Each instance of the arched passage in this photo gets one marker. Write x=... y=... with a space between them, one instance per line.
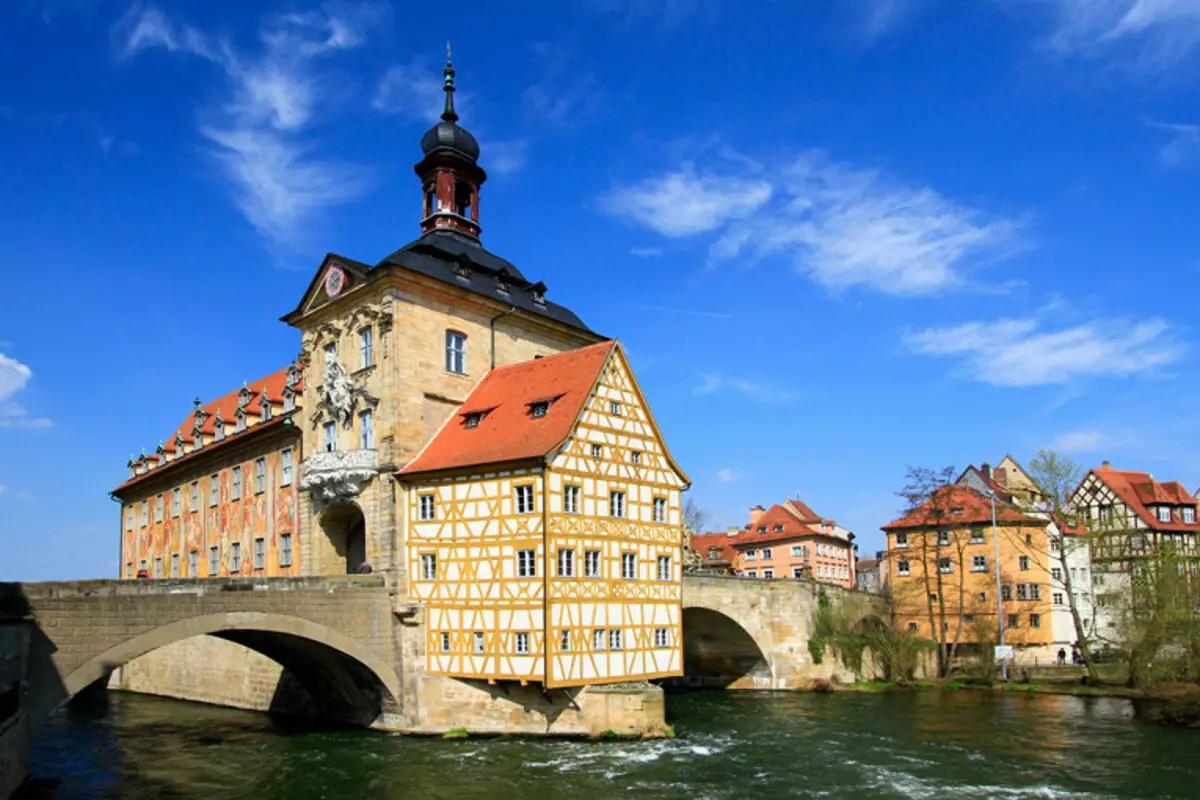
x=718 y=653
x=348 y=683
x=346 y=530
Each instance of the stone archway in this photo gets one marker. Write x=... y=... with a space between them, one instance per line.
x=345 y=530
x=718 y=653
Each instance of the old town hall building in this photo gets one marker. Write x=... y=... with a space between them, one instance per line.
x=447 y=425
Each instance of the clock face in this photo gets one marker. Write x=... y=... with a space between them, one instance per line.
x=335 y=281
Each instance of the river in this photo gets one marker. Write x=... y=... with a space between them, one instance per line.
x=730 y=745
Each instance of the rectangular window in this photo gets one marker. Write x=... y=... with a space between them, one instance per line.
x=524 y=497
x=1056 y=573
x=766 y=554
x=176 y=502
x=235 y=491
x=1006 y=592
x=768 y=573
x=478 y=643
x=597 y=451
x=158 y=573
x=129 y=569
x=1058 y=598
x=1022 y=591
x=1189 y=515
x=615 y=408
x=629 y=566
x=214 y=561
x=428 y=567
x=660 y=509
x=538 y=410
x=1014 y=621
x=366 y=431
x=943 y=538
x=752 y=573
x=289 y=400
x=901 y=540
x=128 y=518
x=425 y=507
x=599 y=639
x=366 y=355
x=664 y=568
x=1023 y=562
x=235 y=557
x=978 y=563
x=526 y=563
x=260 y=475
x=614 y=639
x=662 y=637
x=616 y=504
x=797 y=551
x=214 y=490
x=194 y=504
x=330 y=353
x=635 y=456
x=175 y=565
x=983 y=597
x=193 y=564
x=591 y=564
x=445 y=640
x=285 y=550
x=522 y=644
x=456 y=352
x=571 y=499
x=977 y=536
x=285 y=468
x=329 y=437
x=566 y=563
x=260 y=553
x=158 y=508
x=797 y=572
x=1164 y=513
x=751 y=555
x=564 y=642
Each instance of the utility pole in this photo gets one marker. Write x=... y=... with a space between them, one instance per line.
x=999 y=593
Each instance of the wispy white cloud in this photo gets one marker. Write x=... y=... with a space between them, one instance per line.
x=728 y=475
x=753 y=390
x=690 y=312
x=878 y=18
x=1019 y=352
x=506 y=157
x=840 y=225
x=257 y=134
x=14 y=376
x=646 y=252
x=1157 y=33
x=412 y=90
x=1084 y=440
x=1183 y=145
x=687 y=202
x=566 y=92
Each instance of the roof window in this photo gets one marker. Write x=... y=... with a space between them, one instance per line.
x=762 y=528
x=539 y=409
x=473 y=418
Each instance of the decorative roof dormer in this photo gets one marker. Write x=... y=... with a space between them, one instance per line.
x=244 y=396
x=265 y=402
x=450 y=176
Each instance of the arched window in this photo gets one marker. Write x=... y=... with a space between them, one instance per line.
x=430 y=198
x=456 y=352
x=462 y=199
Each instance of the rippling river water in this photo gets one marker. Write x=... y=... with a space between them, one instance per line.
x=730 y=745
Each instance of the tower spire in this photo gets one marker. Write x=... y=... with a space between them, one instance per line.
x=449 y=114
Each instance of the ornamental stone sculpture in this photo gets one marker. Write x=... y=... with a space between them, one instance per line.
x=338 y=391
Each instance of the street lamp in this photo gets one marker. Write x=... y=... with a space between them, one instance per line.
x=999 y=594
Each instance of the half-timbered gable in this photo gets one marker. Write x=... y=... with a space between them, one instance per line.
x=544 y=519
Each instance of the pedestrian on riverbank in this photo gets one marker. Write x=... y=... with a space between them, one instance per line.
x=1062 y=657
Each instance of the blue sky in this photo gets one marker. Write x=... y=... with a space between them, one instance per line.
x=836 y=239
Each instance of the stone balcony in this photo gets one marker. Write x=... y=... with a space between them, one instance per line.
x=338 y=475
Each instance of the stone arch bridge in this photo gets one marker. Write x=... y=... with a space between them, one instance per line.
x=352 y=648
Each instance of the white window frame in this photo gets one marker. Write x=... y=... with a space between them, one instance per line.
x=214 y=490
x=214 y=561
x=979 y=563
x=445 y=641
x=564 y=640
x=1164 y=513
x=901 y=540
x=592 y=564
x=521 y=643
x=1189 y=515
x=176 y=502
x=751 y=555
x=766 y=554
x=366 y=430
x=527 y=563
x=797 y=551
x=194 y=500
x=158 y=567
x=616 y=504
x=599 y=639
x=943 y=538
x=480 y=643
x=329 y=437
x=946 y=566
x=235 y=557
x=1023 y=563
x=429 y=566
x=768 y=573
x=665 y=573
x=797 y=572
x=566 y=563
x=523 y=502
x=597 y=451
x=285 y=550
x=158 y=509
x=285 y=468
x=978 y=536
x=616 y=641
x=235 y=492
x=614 y=408
x=662 y=637
x=904 y=568
x=193 y=564
x=635 y=457
x=260 y=475
x=660 y=509
x=426 y=507
x=571 y=495
x=260 y=553
x=456 y=352
x=175 y=565
x=366 y=347
x=629 y=566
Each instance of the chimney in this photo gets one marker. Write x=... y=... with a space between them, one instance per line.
x=986 y=469
x=732 y=531
x=1105 y=465
x=755 y=513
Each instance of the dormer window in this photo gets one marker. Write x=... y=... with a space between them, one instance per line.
x=473 y=418
x=957 y=512
x=293 y=377
x=1189 y=515
x=197 y=440
x=462 y=270
x=762 y=528
x=1164 y=513
x=538 y=290
x=289 y=400
x=241 y=420
x=779 y=529
x=539 y=409
x=266 y=408
x=218 y=429
x=244 y=397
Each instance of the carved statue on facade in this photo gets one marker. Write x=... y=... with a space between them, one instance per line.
x=338 y=391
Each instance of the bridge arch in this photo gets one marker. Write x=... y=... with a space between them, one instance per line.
x=348 y=682
x=720 y=651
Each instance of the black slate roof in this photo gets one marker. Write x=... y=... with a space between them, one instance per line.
x=459 y=260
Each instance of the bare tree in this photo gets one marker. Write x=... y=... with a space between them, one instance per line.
x=695 y=517
x=922 y=497
x=1058 y=477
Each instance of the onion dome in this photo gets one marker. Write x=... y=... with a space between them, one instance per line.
x=448 y=137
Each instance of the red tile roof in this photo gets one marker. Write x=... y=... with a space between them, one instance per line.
x=704 y=543
x=794 y=518
x=227 y=405
x=975 y=508
x=507 y=431
x=1139 y=490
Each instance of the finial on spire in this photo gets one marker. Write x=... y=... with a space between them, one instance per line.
x=449 y=114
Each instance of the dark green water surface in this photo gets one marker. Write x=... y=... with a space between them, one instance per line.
x=730 y=745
